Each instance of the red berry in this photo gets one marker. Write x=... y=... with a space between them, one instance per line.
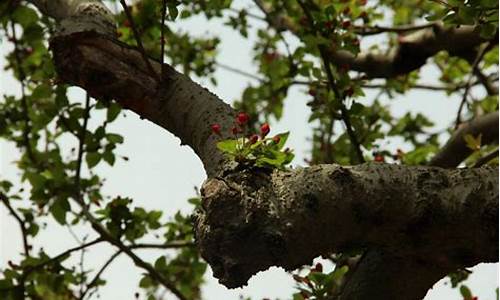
x=277 y=139
x=253 y=139
x=216 y=129
x=346 y=24
x=379 y=158
x=234 y=130
x=264 y=129
x=242 y=118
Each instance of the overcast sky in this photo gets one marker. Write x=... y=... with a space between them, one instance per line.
x=161 y=174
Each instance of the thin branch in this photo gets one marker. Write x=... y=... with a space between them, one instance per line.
x=171 y=245
x=334 y=88
x=20 y=221
x=81 y=142
x=99 y=273
x=371 y=30
x=475 y=65
x=138 y=40
x=61 y=255
x=485 y=159
x=238 y=71
x=24 y=101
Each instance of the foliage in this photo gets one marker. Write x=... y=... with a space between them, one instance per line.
x=290 y=40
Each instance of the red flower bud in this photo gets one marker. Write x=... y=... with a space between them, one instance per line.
x=264 y=129
x=253 y=139
x=346 y=24
x=234 y=130
x=277 y=139
x=318 y=267
x=216 y=129
x=379 y=158
x=242 y=118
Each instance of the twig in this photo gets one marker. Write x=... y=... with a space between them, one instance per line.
x=371 y=30
x=138 y=40
x=485 y=159
x=20 y=221
x=99 y=273
x=475 y=64
x=81 y=142
x=238 y=71
x=24 y=101
x=171 y=245
x=333 y=86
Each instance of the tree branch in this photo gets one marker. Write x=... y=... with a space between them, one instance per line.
x=250 y=222
x=455 y=150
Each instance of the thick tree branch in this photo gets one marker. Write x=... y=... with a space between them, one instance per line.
x=412 y=52
x=456 y=150
x=251 y=221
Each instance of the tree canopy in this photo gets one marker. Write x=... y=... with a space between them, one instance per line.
x=393 y=220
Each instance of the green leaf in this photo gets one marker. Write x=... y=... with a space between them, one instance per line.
x=465 y=292
x=113 y=111
x=473 y=143
x=173 y=12
x=283 y=138
x=114 y=138
x=228 y=146
x=92 y=159
x=109 y=157
x=59 y=209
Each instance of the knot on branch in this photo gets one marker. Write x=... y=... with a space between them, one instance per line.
x=234 y=230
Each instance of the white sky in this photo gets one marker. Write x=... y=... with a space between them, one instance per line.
x=161 y=175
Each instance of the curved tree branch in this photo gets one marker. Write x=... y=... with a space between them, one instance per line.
x=455 y=150
x=412 y=52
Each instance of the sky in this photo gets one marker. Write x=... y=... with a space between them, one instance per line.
x=162 y=174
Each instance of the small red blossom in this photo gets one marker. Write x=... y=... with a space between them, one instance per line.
x=216 y=129
x=318 y=268
x=346 y=24
x=253 y=139
x=349 y=91
x=242 y=118
x=234 y=130
x=264 y=129
x=379 y=158
x=277 y=139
